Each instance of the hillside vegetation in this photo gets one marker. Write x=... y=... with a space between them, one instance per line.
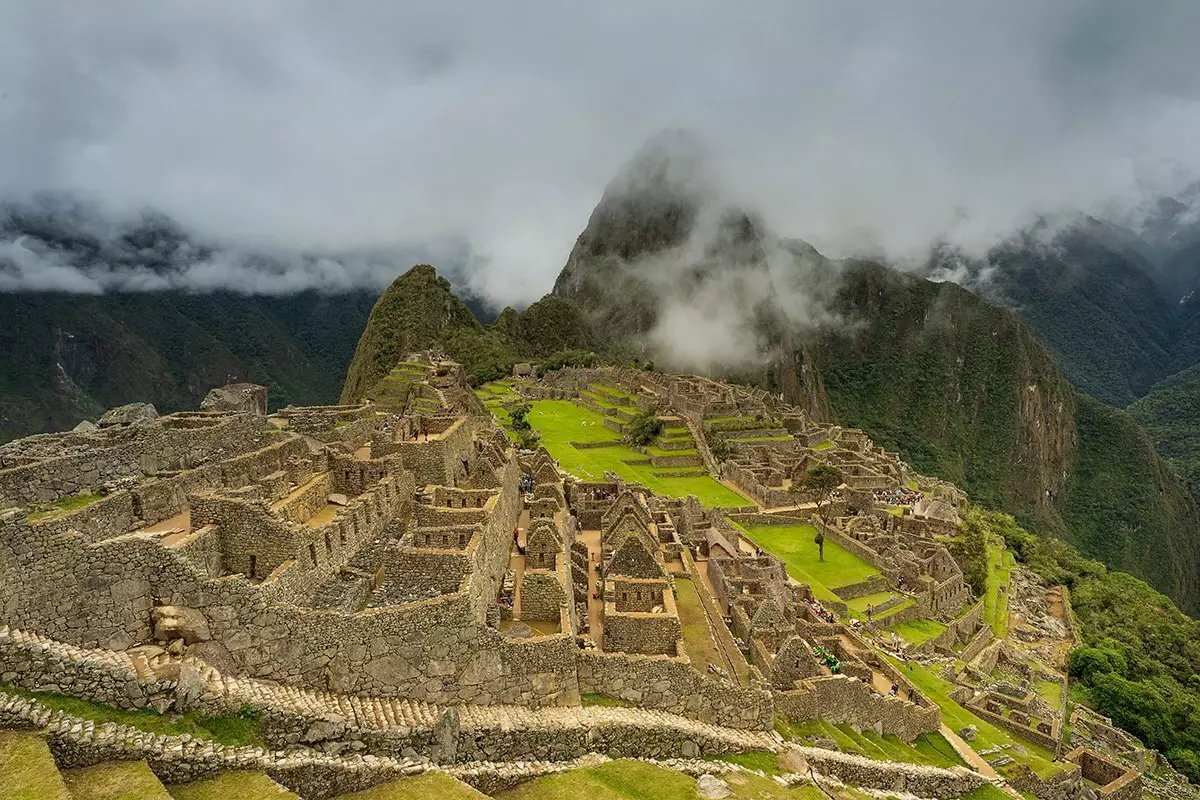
x=68 y=357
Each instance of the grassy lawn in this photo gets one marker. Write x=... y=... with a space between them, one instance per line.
x=561 y=422
x=242 y=785
x=429 y=785
x=1051 y=692
x=929 y=748
x=701 y=648
x=27 y=770
x=225 y=730
x=634 y=780
x=794 y=544
x=825 y=445
x=995 y=602
x=919 y=631
x=63 y=505
x=115 y=780
x=957 y=717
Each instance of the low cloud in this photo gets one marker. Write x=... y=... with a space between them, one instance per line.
x=296 y=126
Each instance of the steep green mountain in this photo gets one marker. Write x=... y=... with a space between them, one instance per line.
x=67 y=357
x=1170 y=414
x=1088 y=294
x=420 y=311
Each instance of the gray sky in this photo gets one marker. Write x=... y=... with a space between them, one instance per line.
x=858 y=126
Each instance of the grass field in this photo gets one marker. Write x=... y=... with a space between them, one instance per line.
x=115 y=780
x=247 y=785
x=995 y=602
x=427 y=786
x=794 y=544
x=634 y=780
x=27 y=770
x=957 y=717
x=919 y=631
x=696 y=637
x=561 y=422
x=929 y=748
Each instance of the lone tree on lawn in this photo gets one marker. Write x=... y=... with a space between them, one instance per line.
x=822 y=480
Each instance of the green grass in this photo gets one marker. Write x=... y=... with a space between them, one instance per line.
x=1051 y=692
x=697 y=639
x=634 y=780
x=240 y=785
x=603 y=700
x=995 y=602
x=764 y=761
x=919 y=631
x=63 y=505
x=825 y=445
x=987 y=792
x=115 y=780
x=239 y=730
x=794 y=544
x=27 y=770
x=957 y=717
x=860 y=604
x=426 y=786
x=561 y=422
x=929 y=748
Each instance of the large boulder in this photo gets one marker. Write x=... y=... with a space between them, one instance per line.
x=248 y=398
x=179 y=622
x=131 y=414
x=87 y=426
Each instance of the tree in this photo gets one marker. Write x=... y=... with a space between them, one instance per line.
x=719 y=446
x=820 y=541
x=518 y=413
x=822 y=480
x=643 y=429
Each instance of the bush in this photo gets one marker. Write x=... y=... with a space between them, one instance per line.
x=568 y=358
x=1088 y=663
x=644 y=428
x=719 y=446
x=518 y=413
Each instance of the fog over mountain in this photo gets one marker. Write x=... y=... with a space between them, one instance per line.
x=307 y=127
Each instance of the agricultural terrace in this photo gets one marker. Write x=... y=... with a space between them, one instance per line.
x=559 y=423
x=794 y=545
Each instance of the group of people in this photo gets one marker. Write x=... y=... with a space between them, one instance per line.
x=527 y=483
x=822 y=613
x=822 y=654
x=899 y=497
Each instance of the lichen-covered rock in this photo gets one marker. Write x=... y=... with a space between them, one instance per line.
x=712 y=787
x=178 y=622
x=87 y=426
x=248 y=398
x=130 y=414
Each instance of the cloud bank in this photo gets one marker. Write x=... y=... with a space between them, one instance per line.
x=866 y=128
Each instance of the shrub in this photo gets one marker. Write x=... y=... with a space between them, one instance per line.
x=643 y=429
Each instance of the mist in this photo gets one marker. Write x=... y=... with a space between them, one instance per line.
x=291 y=127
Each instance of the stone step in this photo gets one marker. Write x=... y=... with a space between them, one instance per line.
x=115 y=780
x=27 y=769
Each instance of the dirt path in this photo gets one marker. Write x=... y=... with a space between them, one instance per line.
x=595 y=604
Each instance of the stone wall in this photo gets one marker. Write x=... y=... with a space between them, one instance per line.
x=542 y=595
x=671 y=684
x=839 y=699
x=641 y=633
x=129 y=453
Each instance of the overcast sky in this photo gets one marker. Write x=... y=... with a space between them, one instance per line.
x=858 y=126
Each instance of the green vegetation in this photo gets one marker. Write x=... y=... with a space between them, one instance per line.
x=1170 y=413
x=919 y=631
x=957 y=717
x=696 y=636
x=931 y=749
x=634 y=780
x=1140 y=661
x=426 y=786
x=794 y=544
x=603 y=700
x=242 y=785
x=115 y=780
x=560 y=422
x=643 y=429
x=27 y=770
x=63 y=505
x=822 y=480
x=243 y=729
x=764 y=761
